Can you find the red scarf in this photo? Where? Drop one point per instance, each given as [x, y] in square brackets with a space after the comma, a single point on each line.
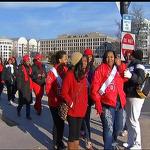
[26, 75]
[1, 68]
[39, 64]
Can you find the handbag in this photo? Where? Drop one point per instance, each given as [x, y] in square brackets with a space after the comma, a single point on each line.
[144, 89]
[63, 111]
[64, 108]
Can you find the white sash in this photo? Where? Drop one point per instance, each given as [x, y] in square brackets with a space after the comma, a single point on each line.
[108, 81]
[59, 80]
[11, 67]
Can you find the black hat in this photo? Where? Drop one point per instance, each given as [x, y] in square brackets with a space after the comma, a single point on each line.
[138, 54]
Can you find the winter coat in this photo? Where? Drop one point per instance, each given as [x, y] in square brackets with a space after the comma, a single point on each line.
[138, 76]
[8, 75]
[36, 70]
[114, 89]
[24, 86]
[76, 92]
[52, 87]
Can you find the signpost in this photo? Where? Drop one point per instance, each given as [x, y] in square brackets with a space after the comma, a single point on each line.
[127, 22]
[127, 44]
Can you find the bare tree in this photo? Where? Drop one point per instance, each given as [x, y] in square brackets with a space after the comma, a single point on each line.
[118, 33]
[137, 24]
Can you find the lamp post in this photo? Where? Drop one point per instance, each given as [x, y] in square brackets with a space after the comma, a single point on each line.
[22, 49]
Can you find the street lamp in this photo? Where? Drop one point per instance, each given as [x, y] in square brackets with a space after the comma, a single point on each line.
[22, 49]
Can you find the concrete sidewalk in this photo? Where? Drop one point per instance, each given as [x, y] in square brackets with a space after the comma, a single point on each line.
[20, 133]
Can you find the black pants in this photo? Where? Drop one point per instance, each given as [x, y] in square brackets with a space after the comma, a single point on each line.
[9, 91]
[27, 109]
[74, 128]
[86, 123]
[58, 128]
[1, 88]
[21, 103]
[14, 90]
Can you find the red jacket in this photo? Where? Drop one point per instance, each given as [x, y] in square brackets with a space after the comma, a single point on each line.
[52, 88]
[115, 88]
[76, 92]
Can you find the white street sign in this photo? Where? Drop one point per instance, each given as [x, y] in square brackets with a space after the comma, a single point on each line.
[127, 22]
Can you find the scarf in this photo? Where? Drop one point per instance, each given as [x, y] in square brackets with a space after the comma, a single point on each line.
[26, 75]
[39, 64]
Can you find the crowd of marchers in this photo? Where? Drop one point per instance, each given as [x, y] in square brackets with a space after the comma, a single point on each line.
[110, 88]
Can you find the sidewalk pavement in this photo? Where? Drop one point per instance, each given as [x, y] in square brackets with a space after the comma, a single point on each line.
[20, 133]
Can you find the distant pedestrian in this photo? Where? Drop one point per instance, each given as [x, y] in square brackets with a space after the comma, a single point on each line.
[108, 94]
[136, 76]
[9, 78]
[24, 84]
[54, 79]
[1, 81]
[15, 66]
[75, 94]
[85, 128]
[38, 78]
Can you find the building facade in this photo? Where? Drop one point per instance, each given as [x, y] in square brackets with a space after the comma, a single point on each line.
[74, 42]
[6, 47]
[18, 47]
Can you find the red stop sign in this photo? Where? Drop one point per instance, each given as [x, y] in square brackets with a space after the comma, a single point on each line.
[127, 43]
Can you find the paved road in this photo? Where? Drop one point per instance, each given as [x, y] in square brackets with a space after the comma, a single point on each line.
[20, 133]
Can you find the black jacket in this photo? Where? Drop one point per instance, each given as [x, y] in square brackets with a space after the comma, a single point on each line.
[7, 76]
[24, 86]
[35, 71]
[138, 76]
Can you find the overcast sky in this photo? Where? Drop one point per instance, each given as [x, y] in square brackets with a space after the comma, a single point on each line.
[47, 20]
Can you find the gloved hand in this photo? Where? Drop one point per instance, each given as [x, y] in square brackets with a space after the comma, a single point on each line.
[127, 74]
[98, 107]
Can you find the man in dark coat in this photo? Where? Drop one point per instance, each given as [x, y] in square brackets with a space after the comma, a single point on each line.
[38, 78]
[24, 85]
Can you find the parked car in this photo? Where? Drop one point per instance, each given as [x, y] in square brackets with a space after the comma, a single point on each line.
[147, 68]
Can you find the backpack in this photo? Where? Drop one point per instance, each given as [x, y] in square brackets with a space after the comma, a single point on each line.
[144, 89]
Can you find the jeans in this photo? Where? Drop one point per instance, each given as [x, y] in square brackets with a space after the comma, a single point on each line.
[112, 122]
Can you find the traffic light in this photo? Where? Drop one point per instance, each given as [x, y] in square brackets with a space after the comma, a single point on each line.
[124, 7]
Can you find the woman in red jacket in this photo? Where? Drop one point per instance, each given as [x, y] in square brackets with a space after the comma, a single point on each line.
[107, 91]
[1, 82]
[75, 93]
[53, 87]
